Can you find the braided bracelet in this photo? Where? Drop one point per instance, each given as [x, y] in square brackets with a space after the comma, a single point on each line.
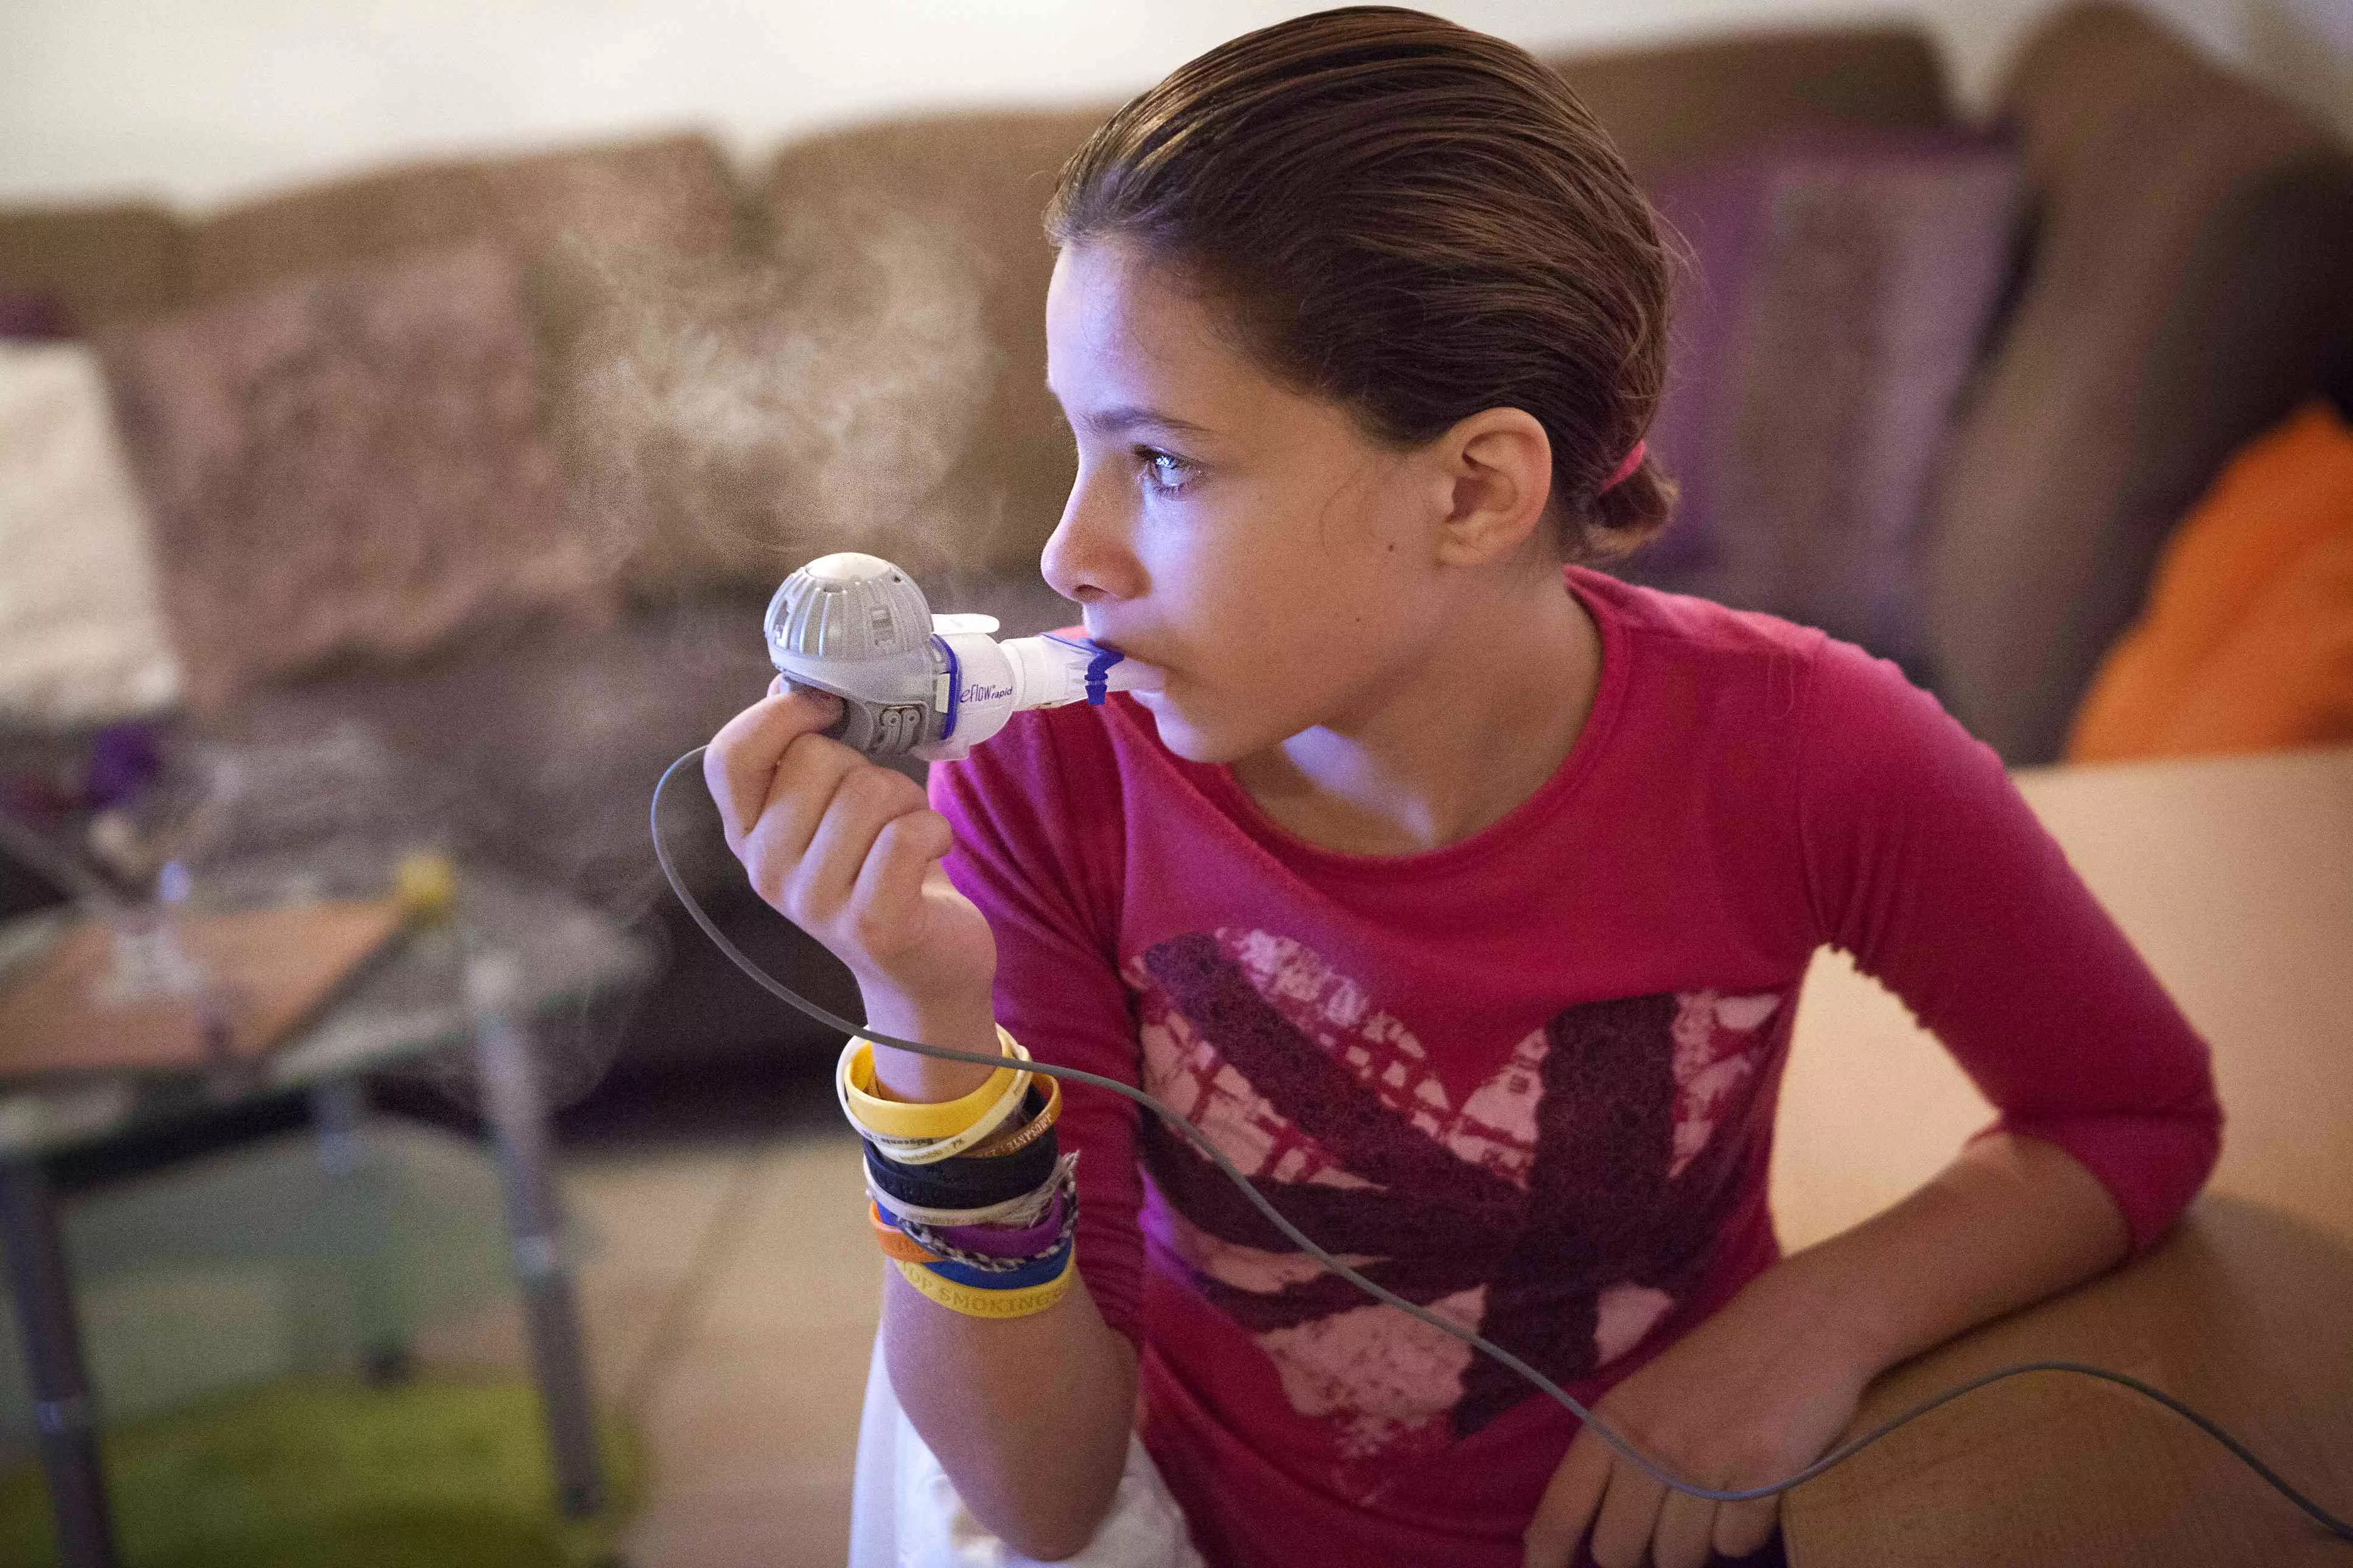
[946, 1249]
[1030, 1272]
[1022, 1209]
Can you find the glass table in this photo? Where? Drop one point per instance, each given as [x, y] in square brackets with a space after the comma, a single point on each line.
[516, 953]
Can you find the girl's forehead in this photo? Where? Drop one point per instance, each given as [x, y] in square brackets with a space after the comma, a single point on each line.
[1126, 331]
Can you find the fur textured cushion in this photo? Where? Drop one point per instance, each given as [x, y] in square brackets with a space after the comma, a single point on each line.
[350, 465]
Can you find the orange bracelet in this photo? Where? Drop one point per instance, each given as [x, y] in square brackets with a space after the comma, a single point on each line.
[896, 1243]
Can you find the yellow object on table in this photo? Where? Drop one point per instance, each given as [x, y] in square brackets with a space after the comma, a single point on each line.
[424, 886]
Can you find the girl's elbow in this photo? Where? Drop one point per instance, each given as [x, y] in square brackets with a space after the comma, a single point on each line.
[1058, 1542]
[1052, 1524]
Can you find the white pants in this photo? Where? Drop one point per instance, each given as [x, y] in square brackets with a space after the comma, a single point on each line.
[906, 1512]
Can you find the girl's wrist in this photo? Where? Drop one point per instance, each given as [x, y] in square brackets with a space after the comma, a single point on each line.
[965, 1024]
[1830, 1321]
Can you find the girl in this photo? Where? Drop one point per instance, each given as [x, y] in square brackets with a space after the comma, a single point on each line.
[1459, 893]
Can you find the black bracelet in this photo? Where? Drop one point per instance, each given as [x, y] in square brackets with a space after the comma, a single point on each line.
[964, 1181]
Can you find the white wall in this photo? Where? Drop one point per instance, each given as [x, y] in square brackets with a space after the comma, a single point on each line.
[2304, 48]
[209, 99]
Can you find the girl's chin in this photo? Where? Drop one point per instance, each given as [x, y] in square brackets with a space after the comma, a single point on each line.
[1184, 737]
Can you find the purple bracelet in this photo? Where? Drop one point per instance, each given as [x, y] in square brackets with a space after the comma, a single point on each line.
[995, 1241]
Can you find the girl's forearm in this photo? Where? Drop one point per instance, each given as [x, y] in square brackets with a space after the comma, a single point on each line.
[2013, 1220]
[1030, 1417]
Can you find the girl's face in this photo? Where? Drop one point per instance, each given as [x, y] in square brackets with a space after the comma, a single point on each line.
[1272, 566]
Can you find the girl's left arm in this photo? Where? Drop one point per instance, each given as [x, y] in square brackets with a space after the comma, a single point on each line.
[1917, 853]
[1760, 1389]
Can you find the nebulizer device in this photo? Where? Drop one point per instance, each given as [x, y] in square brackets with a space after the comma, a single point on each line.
[912, 683]
[917, 685]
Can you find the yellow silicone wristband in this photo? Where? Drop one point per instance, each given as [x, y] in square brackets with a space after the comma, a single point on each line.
[914, 1118]
[972, 1303]
[907, 1151]
[929, 1151]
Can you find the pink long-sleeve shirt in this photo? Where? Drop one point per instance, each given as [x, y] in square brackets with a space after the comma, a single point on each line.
[1527, 1079]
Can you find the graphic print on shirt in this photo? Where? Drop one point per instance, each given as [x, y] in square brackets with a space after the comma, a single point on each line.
[1562, 1208]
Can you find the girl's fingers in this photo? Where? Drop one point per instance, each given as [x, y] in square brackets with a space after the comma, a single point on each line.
[1569, 1499]
[741, 765]
[865, 799]
[1742, 1527]
[1687, 1524]
[1629, 1518]
[800, 792]
[889, 894]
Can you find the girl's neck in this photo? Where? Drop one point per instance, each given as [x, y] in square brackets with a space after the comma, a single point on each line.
[1457, 745]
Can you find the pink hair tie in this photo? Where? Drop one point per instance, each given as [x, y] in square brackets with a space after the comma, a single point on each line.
[1625, 468]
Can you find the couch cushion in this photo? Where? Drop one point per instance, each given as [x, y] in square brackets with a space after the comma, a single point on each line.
[673, 193]
[535, 746]
[102, 263]
[977, 184]
[349, 466]
[1669, 106]
[1841, 289]
[732, 416]
[974, 186]
[2192, 267]
[80, 638]
[872, 377]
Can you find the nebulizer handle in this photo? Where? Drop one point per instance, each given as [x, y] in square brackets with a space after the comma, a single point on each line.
[912, 683]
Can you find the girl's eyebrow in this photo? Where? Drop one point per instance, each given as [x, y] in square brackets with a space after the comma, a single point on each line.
[1122, 418]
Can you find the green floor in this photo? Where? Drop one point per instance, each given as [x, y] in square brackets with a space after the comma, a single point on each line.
[315, 1472]
[225, 1304]
[268, 1261]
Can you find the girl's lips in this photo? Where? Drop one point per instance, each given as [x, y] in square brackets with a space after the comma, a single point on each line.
[1138, 675]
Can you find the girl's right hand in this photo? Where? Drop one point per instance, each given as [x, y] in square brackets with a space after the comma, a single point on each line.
[850, 851]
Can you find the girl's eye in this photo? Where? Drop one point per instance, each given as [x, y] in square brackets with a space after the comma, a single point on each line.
[1164, 472]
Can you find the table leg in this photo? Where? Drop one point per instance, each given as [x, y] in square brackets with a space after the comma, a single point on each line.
[518, 1118]
[363, 1191]
[61, 1382]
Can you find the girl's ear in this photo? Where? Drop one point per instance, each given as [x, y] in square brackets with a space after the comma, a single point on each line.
[1498, 463]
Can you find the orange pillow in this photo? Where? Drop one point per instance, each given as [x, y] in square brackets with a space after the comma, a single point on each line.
[2246, 643]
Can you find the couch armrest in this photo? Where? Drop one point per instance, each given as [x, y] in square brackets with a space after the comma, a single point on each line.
[104, 263]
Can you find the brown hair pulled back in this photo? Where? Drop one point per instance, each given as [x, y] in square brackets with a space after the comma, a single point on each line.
[1415, 221]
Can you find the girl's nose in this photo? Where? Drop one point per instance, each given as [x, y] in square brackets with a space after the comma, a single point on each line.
[1087, 557]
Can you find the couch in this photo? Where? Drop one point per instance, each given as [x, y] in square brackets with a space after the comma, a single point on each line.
[469, 480]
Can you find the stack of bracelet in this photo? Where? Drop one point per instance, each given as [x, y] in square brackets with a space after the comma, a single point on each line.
[971, 1199]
